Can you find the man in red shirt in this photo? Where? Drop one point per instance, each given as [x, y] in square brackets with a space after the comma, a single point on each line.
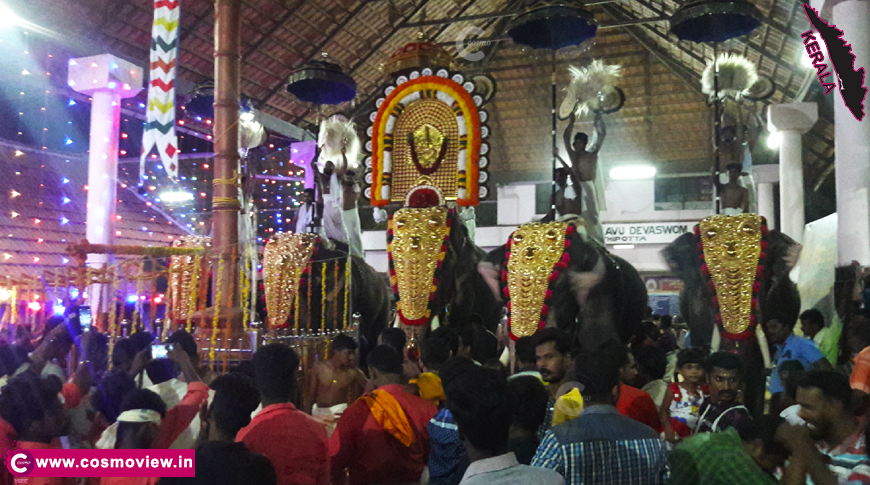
[294, 442]
[633, 403]
[382, 437]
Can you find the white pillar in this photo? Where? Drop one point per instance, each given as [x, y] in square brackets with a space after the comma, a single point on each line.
[852, 143]
[765, 203]
[791, 121]
[107, 80]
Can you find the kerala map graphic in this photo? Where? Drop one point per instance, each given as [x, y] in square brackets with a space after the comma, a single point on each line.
[849, 79]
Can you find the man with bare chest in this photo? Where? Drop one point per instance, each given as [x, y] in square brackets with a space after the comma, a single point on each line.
[350, 213]
[336, 383]
[734, 198]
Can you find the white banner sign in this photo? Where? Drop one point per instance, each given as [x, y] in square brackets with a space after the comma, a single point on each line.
[645, 232]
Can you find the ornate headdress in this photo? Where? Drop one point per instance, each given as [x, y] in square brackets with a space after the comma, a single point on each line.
[733, 255]
[536, 254]
[185, 273]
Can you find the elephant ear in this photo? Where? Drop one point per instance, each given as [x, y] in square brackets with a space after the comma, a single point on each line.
[783, 253]
[683, 258]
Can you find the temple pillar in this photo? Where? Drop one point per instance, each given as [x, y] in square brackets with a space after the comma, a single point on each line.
[107, 80]
[791, 121]
[765, 178]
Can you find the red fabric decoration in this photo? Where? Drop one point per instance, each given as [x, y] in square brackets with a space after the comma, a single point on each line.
[424, 198]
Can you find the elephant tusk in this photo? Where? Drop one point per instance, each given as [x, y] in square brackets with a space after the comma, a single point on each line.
[762, 343]
[435, 323]
[717, 339]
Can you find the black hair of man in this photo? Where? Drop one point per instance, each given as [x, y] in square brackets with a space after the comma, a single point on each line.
[651, 361]
[725, 361]
[666, 322]
[309, 191]
[525, 350]
[466, 336]
[161, 370]
[618, 351]
[692, 355]
[832, 384]
[123, 352]
[434, 353]
[343, 342]
[235, 398]
[454, 367]
[793, 369]
[184, 340]
[733, 166]
[559, 337]
[28, 398]
[449, 335]
[395, 338]
[598, 373]
[246, 368]
[814, 317]
[764, 428]
[138, 399]
[110, 393]
[481, 408]
[141, 341]
[529, 400]
[385, 359]
[275, 366]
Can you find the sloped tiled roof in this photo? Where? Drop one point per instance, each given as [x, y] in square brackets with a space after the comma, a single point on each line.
[44, 211]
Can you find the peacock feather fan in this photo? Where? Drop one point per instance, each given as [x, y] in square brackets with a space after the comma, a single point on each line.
[737, 74]
[589, 85]
[335, 133]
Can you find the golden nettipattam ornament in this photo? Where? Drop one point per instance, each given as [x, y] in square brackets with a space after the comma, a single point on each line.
[185, 273]
[284, 260]
[417, 241]
[535, 251]
[733, 259]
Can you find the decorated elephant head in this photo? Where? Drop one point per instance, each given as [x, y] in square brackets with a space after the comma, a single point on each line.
[553, 276]
[735, 274]
[433, 270]
[309, 285]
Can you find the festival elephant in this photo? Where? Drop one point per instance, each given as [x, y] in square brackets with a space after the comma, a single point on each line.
[434, 272]
[552, 275]
[302, 270]
[735, 276]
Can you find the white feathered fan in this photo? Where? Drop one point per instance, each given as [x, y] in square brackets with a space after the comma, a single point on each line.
[589, 86]
[335, 133]
[737, 74]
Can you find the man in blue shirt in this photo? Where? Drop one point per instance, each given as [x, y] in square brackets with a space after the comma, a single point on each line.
[448, 459]
[779, 328]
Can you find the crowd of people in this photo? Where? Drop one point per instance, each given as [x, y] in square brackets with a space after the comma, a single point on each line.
[654, 411]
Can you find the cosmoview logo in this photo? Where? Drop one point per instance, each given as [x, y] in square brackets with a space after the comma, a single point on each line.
[462, 45]
[20, 463]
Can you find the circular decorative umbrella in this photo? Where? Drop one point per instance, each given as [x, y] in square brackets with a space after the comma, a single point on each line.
[321, 82]
[552, 25]
[714, 20]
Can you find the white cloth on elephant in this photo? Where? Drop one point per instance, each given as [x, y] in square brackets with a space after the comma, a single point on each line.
[353, 230]
[732, 211]
[332, 209]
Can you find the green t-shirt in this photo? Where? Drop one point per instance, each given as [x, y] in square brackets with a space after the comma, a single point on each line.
[715, 459]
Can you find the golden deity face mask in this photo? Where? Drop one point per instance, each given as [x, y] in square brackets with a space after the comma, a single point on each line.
[418, 235]
[284, 259]
[732, 245]
[428, 141]
[535, 249]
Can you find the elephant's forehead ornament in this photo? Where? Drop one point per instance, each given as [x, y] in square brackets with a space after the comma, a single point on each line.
[285, 258]
[536, 254]
[185, 273]
[417, 242]
[733, 252]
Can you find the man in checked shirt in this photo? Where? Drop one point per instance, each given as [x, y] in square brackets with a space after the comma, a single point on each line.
[601, 446]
